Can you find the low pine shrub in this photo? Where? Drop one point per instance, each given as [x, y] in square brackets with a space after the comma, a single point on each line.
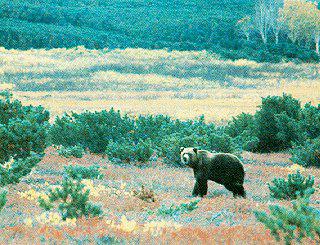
[23, 129]
[13, 170]
[128, 151]
[177, 210]
[277, 124]
[80, 172]
[151, 127]
[295, 186]
[71, 151]
[3, 199]
[310, 120]
[308, 154]
[292, 224]
[239, 124]
[143, 150]
[73, 201]
[242, 129]
[221, 143]
[92, 130]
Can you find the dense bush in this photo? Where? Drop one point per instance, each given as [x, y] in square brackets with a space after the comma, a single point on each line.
[220, 143]
[12, 171]
[307, 154]
[153, 127]
[23, 129]
[3, 199]
[128, 139]
[72, 199]
[277, 124]
[296, 185]
[242, 129]
[292, 224]
[81, 172]
[240, 123]
[310, 119]
[271, 52]
[92, 130]
[71, 151]
[129, 151]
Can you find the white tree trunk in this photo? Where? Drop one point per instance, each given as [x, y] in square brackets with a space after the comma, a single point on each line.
[317, 40]
[276, 35]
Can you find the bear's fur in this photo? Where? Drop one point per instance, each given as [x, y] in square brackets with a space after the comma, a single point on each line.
[222, 168]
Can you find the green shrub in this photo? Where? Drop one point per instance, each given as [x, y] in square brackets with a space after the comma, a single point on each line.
[14, 170]
[242, 129]
[295, 186]
[151, 127]
[143, 150]
[23, 129]
[310, 119]
[177, 210]
[308, 154]
[81, 172]
[129, 151]
[3, 199]
[71, 151]
[239, 124]
[294, 223]
[92, 130]
[221, 143]
[277, 124]
[73, 201]
[289, 130]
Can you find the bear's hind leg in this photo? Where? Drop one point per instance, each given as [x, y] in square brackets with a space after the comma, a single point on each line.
[236, 189]
[239, 191]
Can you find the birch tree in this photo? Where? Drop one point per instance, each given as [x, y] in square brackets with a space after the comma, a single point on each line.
[315, 23]
[276, 18]
[245, 26]
[263, 18]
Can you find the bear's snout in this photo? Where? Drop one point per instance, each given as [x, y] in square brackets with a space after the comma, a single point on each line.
[185, 158]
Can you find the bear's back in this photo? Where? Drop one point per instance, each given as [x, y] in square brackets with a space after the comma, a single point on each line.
[220, 167]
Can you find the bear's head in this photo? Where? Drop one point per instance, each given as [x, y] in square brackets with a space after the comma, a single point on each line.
[189, 156]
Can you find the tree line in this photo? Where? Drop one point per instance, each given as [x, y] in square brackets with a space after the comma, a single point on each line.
[296, 20]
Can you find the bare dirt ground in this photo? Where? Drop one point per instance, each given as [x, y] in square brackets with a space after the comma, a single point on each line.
[219, 218]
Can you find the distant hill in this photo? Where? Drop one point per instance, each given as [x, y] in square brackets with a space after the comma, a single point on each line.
[150, 24]
[177, 24]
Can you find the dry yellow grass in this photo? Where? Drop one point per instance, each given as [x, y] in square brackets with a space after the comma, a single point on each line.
[183, 84]
[216, 104]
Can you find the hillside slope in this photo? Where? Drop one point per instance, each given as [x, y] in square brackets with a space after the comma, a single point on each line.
[191, 24]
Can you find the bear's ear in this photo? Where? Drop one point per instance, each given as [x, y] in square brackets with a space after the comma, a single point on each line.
[195, 150]
[181, 149]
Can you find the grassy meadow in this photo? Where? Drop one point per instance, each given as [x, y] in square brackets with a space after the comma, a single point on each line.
[183, 84]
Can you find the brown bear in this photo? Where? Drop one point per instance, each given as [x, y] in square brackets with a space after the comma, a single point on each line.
[222, 168]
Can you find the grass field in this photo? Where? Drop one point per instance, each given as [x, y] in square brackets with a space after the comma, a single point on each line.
[219, 218]
[181, 84]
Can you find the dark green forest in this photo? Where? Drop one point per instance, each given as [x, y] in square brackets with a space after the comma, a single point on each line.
[151, 24]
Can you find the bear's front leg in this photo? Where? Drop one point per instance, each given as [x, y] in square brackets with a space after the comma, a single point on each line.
[200, 188]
